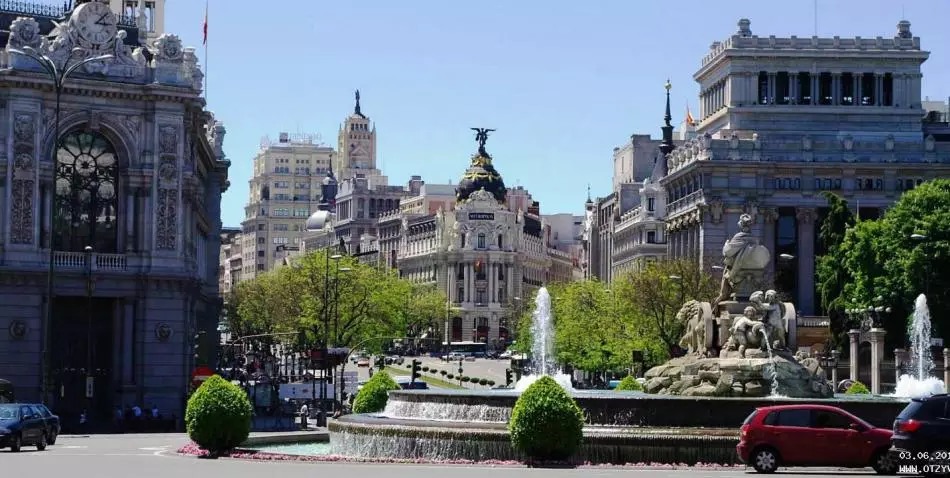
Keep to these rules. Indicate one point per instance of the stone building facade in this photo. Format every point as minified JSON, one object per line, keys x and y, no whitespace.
{"x":485,"y":255}
{"x":781,"y":121}
{"x":129,"y":204}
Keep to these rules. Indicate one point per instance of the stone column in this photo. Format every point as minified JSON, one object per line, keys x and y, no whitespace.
{"x":856,"y":89}
{"x":769,"y":216}
{"x":834,"y":370}
{"x":877,"y":355}
{"x":772,"y":88}
{"x":878,"y":89}
{"x":836,"y":90}
{"x":853,"y":335}
{"x":946,"y":369}
{"x":467,"y":275}
{"x":899,"y":356}
{"x":806,"y":260}
{"x":813,"y":78}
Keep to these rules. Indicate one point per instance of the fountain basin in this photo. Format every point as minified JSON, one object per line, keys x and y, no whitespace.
{"x":621,"y":409}
{"x":368,"y":436}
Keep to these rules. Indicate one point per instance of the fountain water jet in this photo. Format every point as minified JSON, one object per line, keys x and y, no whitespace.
{"x":920,"y":384}
{"x":542,"y":346}
{"x":772,"y":371}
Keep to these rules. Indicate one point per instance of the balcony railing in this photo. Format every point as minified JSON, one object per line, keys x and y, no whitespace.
{"x":100,"y":261}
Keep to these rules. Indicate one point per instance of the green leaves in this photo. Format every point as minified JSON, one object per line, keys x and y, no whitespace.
{"x":218,"y":415}
{"x":341,"y":299}
{"x":546,"y":423}
{"x":629,"y":384}
{"x":373,"y":396}
{"x":882,"y":258}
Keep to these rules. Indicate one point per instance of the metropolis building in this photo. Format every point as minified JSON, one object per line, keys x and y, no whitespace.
{"x":485,"y":254}
{"x":781,"y":121}
{"x":124,"y":210}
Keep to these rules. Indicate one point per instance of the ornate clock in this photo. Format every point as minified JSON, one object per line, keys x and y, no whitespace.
{"x":95,"y":23}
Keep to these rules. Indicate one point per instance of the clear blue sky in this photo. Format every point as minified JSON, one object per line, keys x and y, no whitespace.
{"x":562,"y":82}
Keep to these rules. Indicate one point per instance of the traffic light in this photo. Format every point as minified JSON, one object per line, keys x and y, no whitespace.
{"x":508,"y":379}
{"x":416,"y":365}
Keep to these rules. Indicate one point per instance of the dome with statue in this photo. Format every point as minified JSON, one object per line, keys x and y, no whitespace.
{"x":481,"y":174}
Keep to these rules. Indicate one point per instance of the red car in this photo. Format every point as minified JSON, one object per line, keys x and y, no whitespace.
{"x":812,"y":435}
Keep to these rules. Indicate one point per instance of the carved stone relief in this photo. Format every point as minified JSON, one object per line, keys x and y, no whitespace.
{"x":166,"y":237}
{"x":168,"y":140}
{"x":24,"y":32}
{"x":24,"y":150}
{"x":167,"y":230}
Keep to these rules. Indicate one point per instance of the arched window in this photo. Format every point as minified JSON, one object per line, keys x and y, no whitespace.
{"x":86,"y":205}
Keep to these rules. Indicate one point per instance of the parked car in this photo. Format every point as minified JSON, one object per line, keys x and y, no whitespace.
{"x":22,"y":425}
{"x":50,"y":420}
{"x":812,"y":435}
{"x":922,"y":432}
{"x":363,"y":362}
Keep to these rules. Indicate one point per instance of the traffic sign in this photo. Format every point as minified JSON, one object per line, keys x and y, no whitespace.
{"x":200,"y":374}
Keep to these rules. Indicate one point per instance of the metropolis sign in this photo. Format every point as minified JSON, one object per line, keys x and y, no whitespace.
{"x":481,"y":216}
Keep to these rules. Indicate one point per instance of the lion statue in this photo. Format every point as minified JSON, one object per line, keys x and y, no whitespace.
{"x":694,"y":337}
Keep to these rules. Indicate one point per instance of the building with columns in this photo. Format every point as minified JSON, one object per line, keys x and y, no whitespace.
{"x":783,"y":120}
{"x":487,"y":256}
{"x":118,"y":215}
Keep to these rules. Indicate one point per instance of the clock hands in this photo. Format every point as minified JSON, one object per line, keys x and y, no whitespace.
{"x":103,"y":17}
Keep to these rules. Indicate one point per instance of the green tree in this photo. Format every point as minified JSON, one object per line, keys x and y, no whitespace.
{"x":883,"y":259}
{"x":656,"y":293}
{"x":832,"y":275}
{"x":587,"y":327}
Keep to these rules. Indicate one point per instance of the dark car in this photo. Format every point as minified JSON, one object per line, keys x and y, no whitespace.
{"x":50,"y":420}
{"x":21,"y":425}
{"x":922,"y":432}
{"x":812,"y":435}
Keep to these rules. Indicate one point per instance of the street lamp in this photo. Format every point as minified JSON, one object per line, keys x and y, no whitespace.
{"x":59,"y":75}
{"x":322,"y":220}
{"x":87,"y":255}
{"x":829,"y":361}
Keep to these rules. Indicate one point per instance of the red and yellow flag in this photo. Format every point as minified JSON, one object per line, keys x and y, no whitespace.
{"x":689,"y":117}
{"x":206,"y":25}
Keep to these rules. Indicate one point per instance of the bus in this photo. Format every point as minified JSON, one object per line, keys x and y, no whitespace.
{"x":468,"y":349}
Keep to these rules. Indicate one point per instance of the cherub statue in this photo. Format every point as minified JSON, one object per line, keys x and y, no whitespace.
{"x":747,"y":330}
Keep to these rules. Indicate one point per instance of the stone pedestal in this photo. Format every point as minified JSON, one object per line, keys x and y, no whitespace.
{"x":834,"y":369}
{"x":877,"y":355}
{"x":946,"y":369}
{"x":853,"y":335}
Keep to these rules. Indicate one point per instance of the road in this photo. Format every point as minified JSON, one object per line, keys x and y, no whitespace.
{"x":153,"y":456}
{"x":480,"y":368}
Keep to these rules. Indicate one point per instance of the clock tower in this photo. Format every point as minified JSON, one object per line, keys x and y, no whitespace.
{"x":356,"y":146}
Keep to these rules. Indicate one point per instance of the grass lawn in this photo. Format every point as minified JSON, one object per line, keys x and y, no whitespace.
{"x":436,"y":382}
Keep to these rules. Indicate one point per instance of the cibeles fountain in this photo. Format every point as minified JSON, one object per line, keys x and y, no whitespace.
{"x":739,"y":359}
{"x":741,"y":343}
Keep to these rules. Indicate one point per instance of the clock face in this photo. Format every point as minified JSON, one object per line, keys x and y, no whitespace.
{"x":96,"y":22}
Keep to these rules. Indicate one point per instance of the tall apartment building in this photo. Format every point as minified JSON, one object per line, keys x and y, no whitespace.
{"x":284,"y":191}
{"x":230,"y":260}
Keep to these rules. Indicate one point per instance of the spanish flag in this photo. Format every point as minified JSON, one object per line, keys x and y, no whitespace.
{"x":689,"y":117}
{"x":206,"y":24}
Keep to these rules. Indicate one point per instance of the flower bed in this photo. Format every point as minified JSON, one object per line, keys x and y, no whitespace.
{"x":192,"y":449}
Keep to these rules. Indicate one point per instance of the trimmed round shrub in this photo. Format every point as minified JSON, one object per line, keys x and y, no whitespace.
{"x":372,"y":397}
{"x":450,"y":376}
{"x":425,"y":369}
{"x":491,"y":383}
{"x":218,"y":415}
{"x":409,"y":366}
{"x":466,"y":378}
{"x":483,"y":382}
{"x":629,"y":384}
{"x":433,"y":371}
{"x":546,"y":424}
{"x":443,"y":373}
{"x":857,"y":388}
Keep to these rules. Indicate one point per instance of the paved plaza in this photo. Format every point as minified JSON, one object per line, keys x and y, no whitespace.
{"x":116,"y":456}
